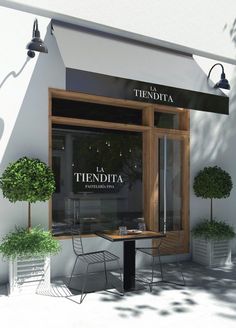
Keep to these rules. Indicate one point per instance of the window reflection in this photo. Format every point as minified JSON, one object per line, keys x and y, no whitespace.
{"x":166,"y":120}
{"x":99,"y":179}
{"x":173,"y":185}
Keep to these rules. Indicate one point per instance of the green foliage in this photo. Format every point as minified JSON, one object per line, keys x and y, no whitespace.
{"x":30,"y":180}
{"x":33,"y":243}
{"x":215,"y":230}
{"x":27,"y":179}
{"x":212,"y":182}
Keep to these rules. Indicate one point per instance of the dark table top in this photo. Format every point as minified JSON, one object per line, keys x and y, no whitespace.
{"x":113,"y":235}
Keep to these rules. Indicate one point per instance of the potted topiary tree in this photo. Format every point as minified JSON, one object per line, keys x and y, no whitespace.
{"x":28,"y":249}
{"x":211,"y":237}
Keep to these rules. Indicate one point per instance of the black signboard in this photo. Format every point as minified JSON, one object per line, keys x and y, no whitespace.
{"x":116,"y":87}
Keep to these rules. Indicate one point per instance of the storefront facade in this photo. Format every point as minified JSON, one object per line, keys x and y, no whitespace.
{"x":109,"y":114}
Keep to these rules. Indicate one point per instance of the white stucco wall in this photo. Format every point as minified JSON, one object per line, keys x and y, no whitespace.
{"x":24,"y":108}
{"x":24,"y":121}
{"x":205,"y":25}
{"x":212,"y":142}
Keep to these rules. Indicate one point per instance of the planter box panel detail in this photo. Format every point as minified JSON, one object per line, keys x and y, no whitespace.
{"x":28,"y":275}
{"x":211,"y":252}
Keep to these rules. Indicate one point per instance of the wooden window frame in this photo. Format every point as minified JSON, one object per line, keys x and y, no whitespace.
{"x":150,"y":134}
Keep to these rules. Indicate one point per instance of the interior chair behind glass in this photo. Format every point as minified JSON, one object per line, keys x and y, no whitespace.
{"x":169,"y":245}
{"x":90,"y":258}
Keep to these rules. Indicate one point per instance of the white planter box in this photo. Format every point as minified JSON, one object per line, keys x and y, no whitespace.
{"x":211,"y":252}
{"x":29,"y":275}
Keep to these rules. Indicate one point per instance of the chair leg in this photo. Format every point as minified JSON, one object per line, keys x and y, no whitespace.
{"x":150,"y":285}
{"x":161,"y":269}
{"x":153,"y":260}
{"x":160,"y":263}
{"x":179,"y":265}
{"x":181,"y":272}
{"x":83,"y":294}
{"x":121,"y":281}
{"x":122,"y":288}
{"x":72,"y":272}
{"x":105,"y":271}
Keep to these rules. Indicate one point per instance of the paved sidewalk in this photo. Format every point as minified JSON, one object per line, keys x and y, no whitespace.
{"x":207,"y":300}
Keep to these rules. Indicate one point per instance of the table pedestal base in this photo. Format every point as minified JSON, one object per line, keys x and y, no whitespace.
{"x":129,"y":265}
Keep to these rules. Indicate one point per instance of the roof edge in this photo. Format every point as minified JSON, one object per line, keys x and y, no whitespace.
{"x":116,"y":32}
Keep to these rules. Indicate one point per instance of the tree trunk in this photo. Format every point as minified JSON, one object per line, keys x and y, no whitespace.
{"x":211,"y":211}
{"x":29,"y":216}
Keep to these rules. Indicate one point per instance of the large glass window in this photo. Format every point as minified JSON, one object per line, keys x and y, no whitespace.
{"x":115,"y":164}
{"x":98,"y":179}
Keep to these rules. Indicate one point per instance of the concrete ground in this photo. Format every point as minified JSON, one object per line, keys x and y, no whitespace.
{"x":207,"y":300}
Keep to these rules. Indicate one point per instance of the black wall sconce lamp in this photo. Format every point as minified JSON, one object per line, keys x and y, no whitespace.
{"x":36,"y":44}
{"x":223,"y":83}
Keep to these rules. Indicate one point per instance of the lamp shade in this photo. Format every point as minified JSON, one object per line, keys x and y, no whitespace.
{"x":223,"y":83}
{"x":36,"y":44}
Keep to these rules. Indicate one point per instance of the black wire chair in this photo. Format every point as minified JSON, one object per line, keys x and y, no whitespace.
{"x":89,"y":259}
{"x":168,"y":245}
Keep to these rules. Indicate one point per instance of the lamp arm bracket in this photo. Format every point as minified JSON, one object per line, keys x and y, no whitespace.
{"x":213,"y":67}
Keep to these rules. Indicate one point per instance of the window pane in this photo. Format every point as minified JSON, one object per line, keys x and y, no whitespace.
{"x":100,"y":179}
{"x":166,"y":120}
{"x":173,"y":184}
{"x":98,"y":112}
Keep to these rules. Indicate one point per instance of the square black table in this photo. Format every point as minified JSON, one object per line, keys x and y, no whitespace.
{"x":129,"y":251}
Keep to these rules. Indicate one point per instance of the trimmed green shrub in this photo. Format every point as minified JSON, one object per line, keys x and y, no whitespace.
{"x":212,"y":183}
{"x":33,"y":243}
{"x":27,"y":179}
{"x":30,"y":180}
{"x":216,"y":230}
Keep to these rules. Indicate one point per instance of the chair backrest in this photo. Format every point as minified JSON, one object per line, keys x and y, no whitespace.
{"x":77,"y":241}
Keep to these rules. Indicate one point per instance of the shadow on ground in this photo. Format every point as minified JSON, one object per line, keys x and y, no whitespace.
{"x":216,"y":285}
{"x":219,"y":283}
